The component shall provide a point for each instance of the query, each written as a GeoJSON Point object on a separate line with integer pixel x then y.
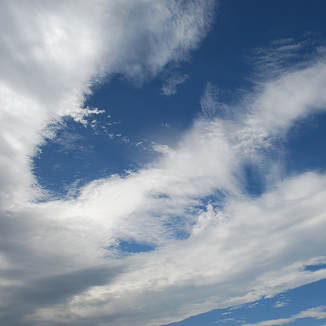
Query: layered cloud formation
{"type": "Point", "coordinates": [212, 245]}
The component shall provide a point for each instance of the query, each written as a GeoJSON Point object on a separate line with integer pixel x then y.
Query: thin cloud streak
{"type": "Point", "coordinates": [316, 313]}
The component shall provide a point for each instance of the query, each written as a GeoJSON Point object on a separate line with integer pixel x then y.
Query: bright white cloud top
{"type": "Point", "coordinates": [212, 244]}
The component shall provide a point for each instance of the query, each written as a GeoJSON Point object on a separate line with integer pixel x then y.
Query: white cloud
{"type": "Point", "coordinates": [60, 257]}
{"type": "Point", "coordinates": [259, 246]}
{"type": "Point", "coordinates": [211, 104]}
{"type": "Point", "coordinates": [316, 313]}
{"type": "Point", "coordinates": [228, 320]}
{"type": "Point", "coordinates": [281, 304]}
{"type": "Point", "coordinates": [170, 85]}
{"type": "Point", "coordinates": [52, 52]}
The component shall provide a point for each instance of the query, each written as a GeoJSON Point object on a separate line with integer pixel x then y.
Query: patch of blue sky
{"type": "Point", "coordinates": [254, 183]}
{"type": "Point", "coordinates": [305, 145]}
{"type": "Point", "coordinates": [216, 199]}
{"type": "Point", "coordinates": [145, 114]}
{"type": "Point", "coordinates": [314, 268]}
{"type": "Point", "coordinates": [81, 153]}
{"type": "Point", "coordinates": [134, 247]}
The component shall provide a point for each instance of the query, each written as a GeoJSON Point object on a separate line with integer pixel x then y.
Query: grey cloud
{"type": "Point", "coordinates": [53, 290]}
{"type": "Point", "coordinates": [59, 288]}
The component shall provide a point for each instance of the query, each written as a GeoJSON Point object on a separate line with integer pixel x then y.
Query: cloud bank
{"type": "Point", "coordinates": [213, 245]}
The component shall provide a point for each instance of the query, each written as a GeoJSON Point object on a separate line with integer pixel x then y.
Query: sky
{"type": "Point", "coordinates": [162, 162]}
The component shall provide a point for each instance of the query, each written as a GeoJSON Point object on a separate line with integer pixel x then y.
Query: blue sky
{"type": "Point", "coordinates": [162, 162]}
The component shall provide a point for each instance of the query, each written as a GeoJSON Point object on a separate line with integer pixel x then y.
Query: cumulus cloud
{"type": "Point", "coordinates": [215, 246]}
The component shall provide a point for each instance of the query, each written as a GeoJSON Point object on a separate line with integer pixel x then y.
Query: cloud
{"type": "Point", "coordinates": [281, 304]}
{"type": "Point", "coordinates": [316, 313]}
{"type": "Point", "coordinates": [52, 53]}
{"type": "Point", "coordinates": [215, 245]}
{"type": "Point", "coordinates": [230, 252]}
{"type": "Point", "coordinates": [228, 320]}
{"type": "Point", "coordinates": [274, 59]}
{"type": "Point", "coordinates": [211, 104]}
{"type": "Point", "coordinates": [170, 86]}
